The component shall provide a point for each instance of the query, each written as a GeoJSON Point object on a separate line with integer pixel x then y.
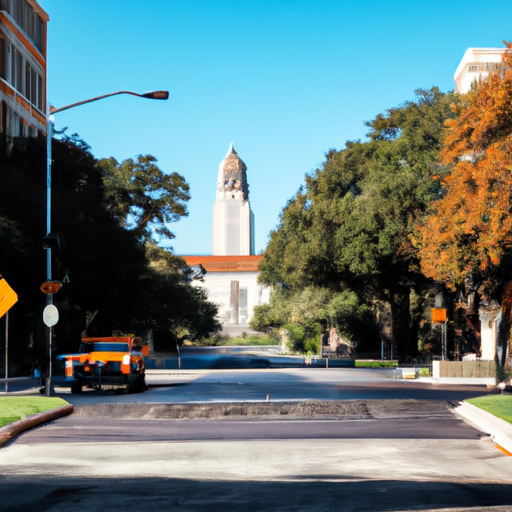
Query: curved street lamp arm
{"type": "Point", "coordinates": [153, 95]}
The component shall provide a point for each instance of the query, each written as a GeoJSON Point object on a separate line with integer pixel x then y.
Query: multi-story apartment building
{"type": "Point", "coordinates": [22, 68]}
{"type": "Point", "coordinates": [476, 63]}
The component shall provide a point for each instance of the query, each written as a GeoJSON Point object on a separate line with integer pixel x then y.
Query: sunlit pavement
{"type": "Point", "coordinates": [255, 475]}
{"type": "Point", "coordinates": [423, 462]}
{"type": "Point", "coordinates": [174, 386]}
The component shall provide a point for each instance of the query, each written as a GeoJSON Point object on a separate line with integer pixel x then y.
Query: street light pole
{"type": "Point", "coordinates": [152, 95]}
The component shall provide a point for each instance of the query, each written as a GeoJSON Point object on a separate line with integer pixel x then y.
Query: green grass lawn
{"type": "Point", "coordinates": [14, 408]}
{"type": "Point", "coordinates": [376, 364]}
{"type": "Point", "coordinates": [499, 405]}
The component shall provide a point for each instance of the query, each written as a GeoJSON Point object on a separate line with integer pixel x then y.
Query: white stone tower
{"type": "Point", "coordinates": [233, 220]}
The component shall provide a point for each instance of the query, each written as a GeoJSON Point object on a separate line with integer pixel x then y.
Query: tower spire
{"type": "Point", "coordinates": [232, 216]}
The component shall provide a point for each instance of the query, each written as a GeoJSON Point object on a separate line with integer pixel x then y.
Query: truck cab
{"type": "Point", "coordinates": [115, 362]}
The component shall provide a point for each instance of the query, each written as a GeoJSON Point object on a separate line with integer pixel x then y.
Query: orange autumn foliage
{"type": "Point", "coordinates": [470, 227]}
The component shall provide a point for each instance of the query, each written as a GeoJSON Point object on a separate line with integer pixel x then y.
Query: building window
{"type": "Point", "coordinates": [21, 75]}
{"type": "Point", "coordinates": [5, 5]}
{"type": "Point", "coordinates": [38, 32]}
{"type": "Point", "coordinates": [28, 80]}
{"type": "Point", "coordinates": [39, 102]}
{"type": "Point", "coordinates": [3, 57]}
{"type": "Point", "coordinates": [482, 67]}
{"type": "Point", "coordinates": [3, 117]}
{"type": "Point", "coordinates": [29, 21]}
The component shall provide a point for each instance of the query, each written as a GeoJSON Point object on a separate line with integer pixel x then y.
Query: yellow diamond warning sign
{"type": "Point", "coordinates": [8, 297]}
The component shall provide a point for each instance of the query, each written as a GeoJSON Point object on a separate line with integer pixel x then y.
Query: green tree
{"type": "Point", "coordinates": [349, 227]}
{"type": "Point", "coordinates": [142, 197]}
{"type": "Point", "coordinates": [465, 242]}
{"type": "Point", "coordinates": [109, 271]}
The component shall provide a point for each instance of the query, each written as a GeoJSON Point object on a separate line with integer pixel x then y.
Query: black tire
{"type": "Point", "coordinates": [138, 386]}
{"type": "Point", "coordinates": [76, 387]}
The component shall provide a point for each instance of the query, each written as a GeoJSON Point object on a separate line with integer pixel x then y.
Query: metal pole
{"type": "Point", "coordinates": [49, 297]}
{"type": "Point", "coordinates": [48, 387]}
{"type": "Point", "coordinates": [6, 351]}
{"type": "Point", "coordinates": [444, 336]}
{"type": "Point", "coordinates": [49, 136]}
{"type": "Point", "coordinates": [154, 95]}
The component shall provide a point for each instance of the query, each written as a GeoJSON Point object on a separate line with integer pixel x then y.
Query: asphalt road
{"type": "Point", "coordinates": [381, 464]}
{"type": "Point", "coordinates": [173, 386]}
{"type": "Point", "coordinates": [73, 429]}
{"type": "Point", "coordinates": [384, 455]}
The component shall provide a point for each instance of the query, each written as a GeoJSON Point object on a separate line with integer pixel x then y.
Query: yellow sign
{"type": "Point", "coordinates": [8, 297]}
{"type": "Point", "coordinates": [439, 316]}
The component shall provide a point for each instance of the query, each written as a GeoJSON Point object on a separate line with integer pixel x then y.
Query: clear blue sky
{"type": "Point", "coordinates": [285, 80]}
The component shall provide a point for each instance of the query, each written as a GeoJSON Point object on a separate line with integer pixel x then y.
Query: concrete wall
{"type": "Point", "coordinates": [220, 289]}
{"type": "Point", "coordinates": [464, 372]}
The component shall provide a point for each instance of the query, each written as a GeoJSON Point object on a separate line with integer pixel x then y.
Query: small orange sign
{"type": "Point", "coordinates": [8, 297]}
{"type": "Point", "coordinates": [50, 287]}
{"type": "Point", "coordinates": [439, 316]}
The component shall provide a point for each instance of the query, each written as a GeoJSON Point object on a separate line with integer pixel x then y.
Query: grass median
{"type": "Point", "coordinates": [14, 408]}
{"type": "Point", "coordinates": [498, 405]}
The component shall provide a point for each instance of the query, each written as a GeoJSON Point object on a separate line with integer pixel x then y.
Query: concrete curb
{"type": "Point", "coordinates": [12, 430]}
{"type": "Point", "coordinates": [499, 430]}
{"type": "Point", "coordinates": [21, 392]}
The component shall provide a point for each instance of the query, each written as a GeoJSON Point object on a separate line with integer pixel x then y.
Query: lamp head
{"type": "Point", "coordinates": [156, 95]}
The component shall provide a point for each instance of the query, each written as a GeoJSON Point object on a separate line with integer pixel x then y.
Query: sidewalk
{"type": "Point", "coordinates": [19, 386]}
{"type": "Point", "coordinates": [498, 430]}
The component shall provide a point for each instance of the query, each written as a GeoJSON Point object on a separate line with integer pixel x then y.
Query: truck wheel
{"type": "Point", "coordinates": [139, 385]}
{"type": "Point", "coordinates": [76, 387]}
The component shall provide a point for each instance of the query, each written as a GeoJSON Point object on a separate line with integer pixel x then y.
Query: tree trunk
{"type": "Point", "coordinates": [474, 338]}
{"type": "Point", "coordinates": [504, 338]}
{"type": "Point", "coordinates": [401, 324]}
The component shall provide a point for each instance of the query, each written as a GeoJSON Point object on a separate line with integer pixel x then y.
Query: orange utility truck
{"type": "Point", "coordinates": [114, 362]}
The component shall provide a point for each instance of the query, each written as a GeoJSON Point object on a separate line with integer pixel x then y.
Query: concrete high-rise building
{"type": "Point", "coordinates": [22, 68]}
{"type": "Point", "coordinates": [476, 63]}
{"type": "Point", "coordinates": [233, 220]}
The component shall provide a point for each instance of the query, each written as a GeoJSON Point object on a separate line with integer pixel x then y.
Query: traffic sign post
{"type": "Point", "coordinates": [8, 298]}
{"type": "Point", "coordinates": [50, 318]}
{"type": "Point", "coordinates": [439, 316]}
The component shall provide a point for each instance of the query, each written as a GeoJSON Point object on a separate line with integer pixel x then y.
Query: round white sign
{"type": "Point", "coordinates": [50, 315]}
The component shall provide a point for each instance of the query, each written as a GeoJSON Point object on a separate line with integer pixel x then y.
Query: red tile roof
{"type": "Point", "coordinates": [226, 263]}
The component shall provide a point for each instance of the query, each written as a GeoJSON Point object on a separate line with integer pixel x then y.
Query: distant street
{"type": "Point", "coordinates": [173, 386]}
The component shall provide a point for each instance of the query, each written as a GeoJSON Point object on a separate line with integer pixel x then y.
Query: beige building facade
{"type": "Point", "coordinates": [475, 64]}
{"type": "Point", "coordinates": [231, 279]}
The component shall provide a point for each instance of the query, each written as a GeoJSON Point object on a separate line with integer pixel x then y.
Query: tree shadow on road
{"type": "Point", "coordinates": [308, 493]}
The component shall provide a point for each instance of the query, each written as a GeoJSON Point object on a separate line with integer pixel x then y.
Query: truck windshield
{"type": "Point", "coordinates": [103, 347]}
